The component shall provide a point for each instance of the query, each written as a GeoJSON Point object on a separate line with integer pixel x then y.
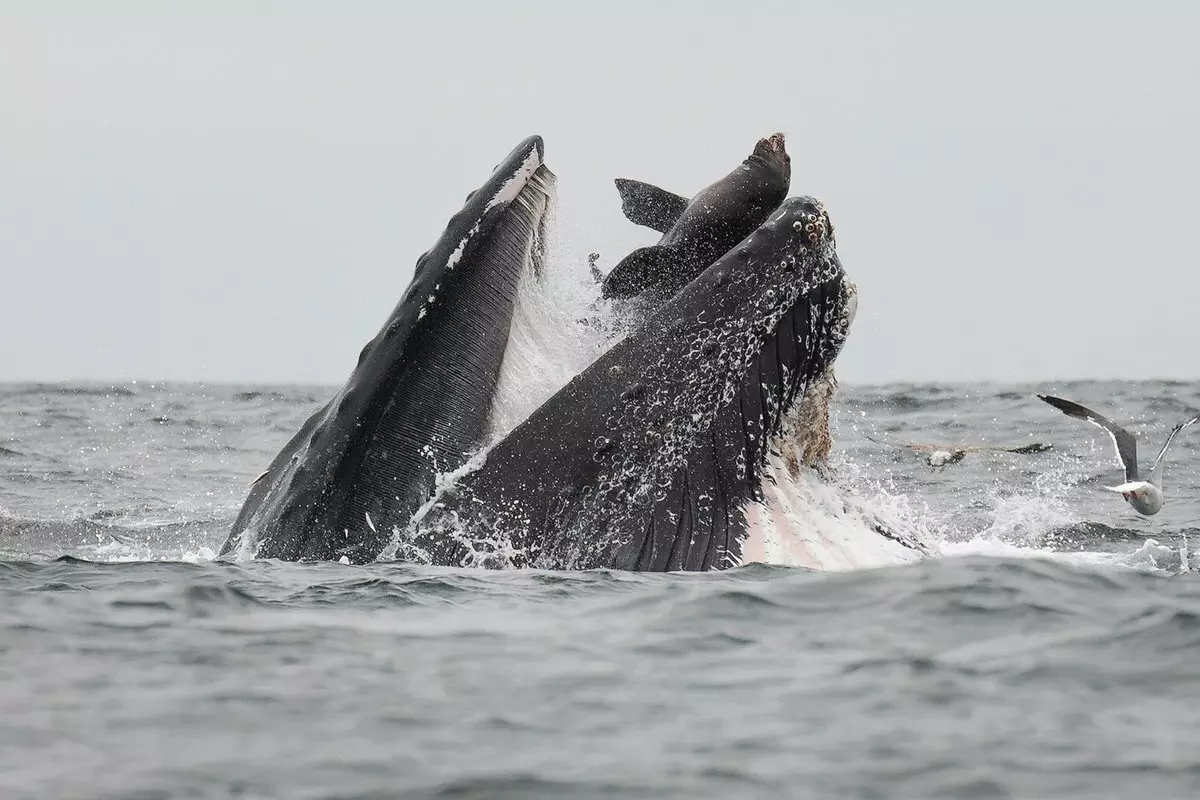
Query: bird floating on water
{"type": "Point", "coordinates": [940, 455]}
{"type": "Point", "coordinates": [1146, 496]}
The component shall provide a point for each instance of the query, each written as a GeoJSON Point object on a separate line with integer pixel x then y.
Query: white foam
{"type": "Point", "coordinates": [1027, 520]}
{"type": "Point", "coordinates": [118, 551]}
{"type": "Point", "coordinates": [1149, 556]}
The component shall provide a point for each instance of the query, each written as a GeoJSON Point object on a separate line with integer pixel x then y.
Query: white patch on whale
{"type": "Point", "coordinates": [513, 186]}
{"type": "Point", "coordinates": [805, 521]}
{"type": "Point", "coordinates": [509, 191]}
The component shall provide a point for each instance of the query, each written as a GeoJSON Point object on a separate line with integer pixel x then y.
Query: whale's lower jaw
{"type": "Point", "coordinates": [419, 399]}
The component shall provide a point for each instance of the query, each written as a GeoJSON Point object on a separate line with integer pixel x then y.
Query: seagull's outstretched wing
{"type": "Point", "coordinates": [1124, 441]}
{"type": "Point", "coordinates": [1032, 447]}
{"type": "Point", "coordinates": [1156, 468]}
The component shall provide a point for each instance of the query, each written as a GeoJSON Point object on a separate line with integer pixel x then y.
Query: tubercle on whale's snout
{"type": "Point", "coordinates": [815, 225]}
{"type": "Point", "coordinates": [806, 216]}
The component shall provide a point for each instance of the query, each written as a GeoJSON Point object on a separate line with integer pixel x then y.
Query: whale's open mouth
{"type": "Point", "coordinates": [645, 460]}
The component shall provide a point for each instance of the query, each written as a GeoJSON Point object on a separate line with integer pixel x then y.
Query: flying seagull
{"type": "Point", "coordinates": [1145, 496]}
{"type": "Point", "coordinates": [940, 456]}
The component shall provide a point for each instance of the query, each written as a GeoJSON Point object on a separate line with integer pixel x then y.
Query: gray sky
{"type": "Point", "coordinates": [239, 190]}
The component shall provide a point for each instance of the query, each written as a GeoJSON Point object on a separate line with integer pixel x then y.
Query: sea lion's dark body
{"type": "Point", "coordinates": [697, 232]}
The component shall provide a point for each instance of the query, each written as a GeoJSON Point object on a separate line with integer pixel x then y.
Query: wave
{"type": "Point", "coordinates": [676, 605]}
{"type": "Point", "coordinates": [276, 396]}
{"type": "Point", "coordinates": [68, 390]}
{"type": "Point", "coordinates": [96, 538]}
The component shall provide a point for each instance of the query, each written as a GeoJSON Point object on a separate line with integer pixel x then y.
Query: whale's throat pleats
{"type": "Point", "coordinates": [434, 410]}
{"type": "Point", "coordinates": [697, 522]}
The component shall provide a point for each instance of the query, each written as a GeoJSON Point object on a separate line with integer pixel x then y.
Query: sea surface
{"type": "Point", "coordinates": [1049, 648]}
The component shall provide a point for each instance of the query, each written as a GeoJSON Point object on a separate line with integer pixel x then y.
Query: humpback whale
{"type": "Point", "coordinates": [697, 232]}
{"type": "Point", "coordinates": [648, 459]}
{"type": "Point", "coordinates": [420, 397]}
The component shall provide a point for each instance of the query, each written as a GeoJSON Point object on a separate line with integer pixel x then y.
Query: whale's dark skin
{"type": "Point", "coordinates": [645, 460]}
{"type": "Point", "coordinates": [419, 400]}
{"type": "Point", "coordinates": [697, 232]}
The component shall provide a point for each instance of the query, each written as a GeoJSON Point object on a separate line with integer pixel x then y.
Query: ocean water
{"type": "Point", "coordinates": [1046, 648]}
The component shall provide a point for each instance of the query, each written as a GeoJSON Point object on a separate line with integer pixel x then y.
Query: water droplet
{"type": "Point", "coordinates": [635, 391]}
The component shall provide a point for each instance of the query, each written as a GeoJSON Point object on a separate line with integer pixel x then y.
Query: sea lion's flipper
{"type": "Point", "coordinates": [648, 205]}
{"type": "Point", "coordinates": [641, 269]}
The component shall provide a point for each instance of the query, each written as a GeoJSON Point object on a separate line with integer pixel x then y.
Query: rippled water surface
{"type": "Point", "coordinates": [1048, 649]}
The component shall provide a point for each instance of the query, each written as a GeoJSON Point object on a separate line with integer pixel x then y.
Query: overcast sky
{"type": "Point", "coordinates": [238, 191]}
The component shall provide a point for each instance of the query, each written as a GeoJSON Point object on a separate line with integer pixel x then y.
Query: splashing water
{"type": "Point", "coordinates": [165, 467]}
{"type": "Point", "coordinates": [555, 334]}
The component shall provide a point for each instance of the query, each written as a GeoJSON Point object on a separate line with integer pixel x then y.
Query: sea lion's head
{"type": "Point", "coordinates": [771, 152]}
